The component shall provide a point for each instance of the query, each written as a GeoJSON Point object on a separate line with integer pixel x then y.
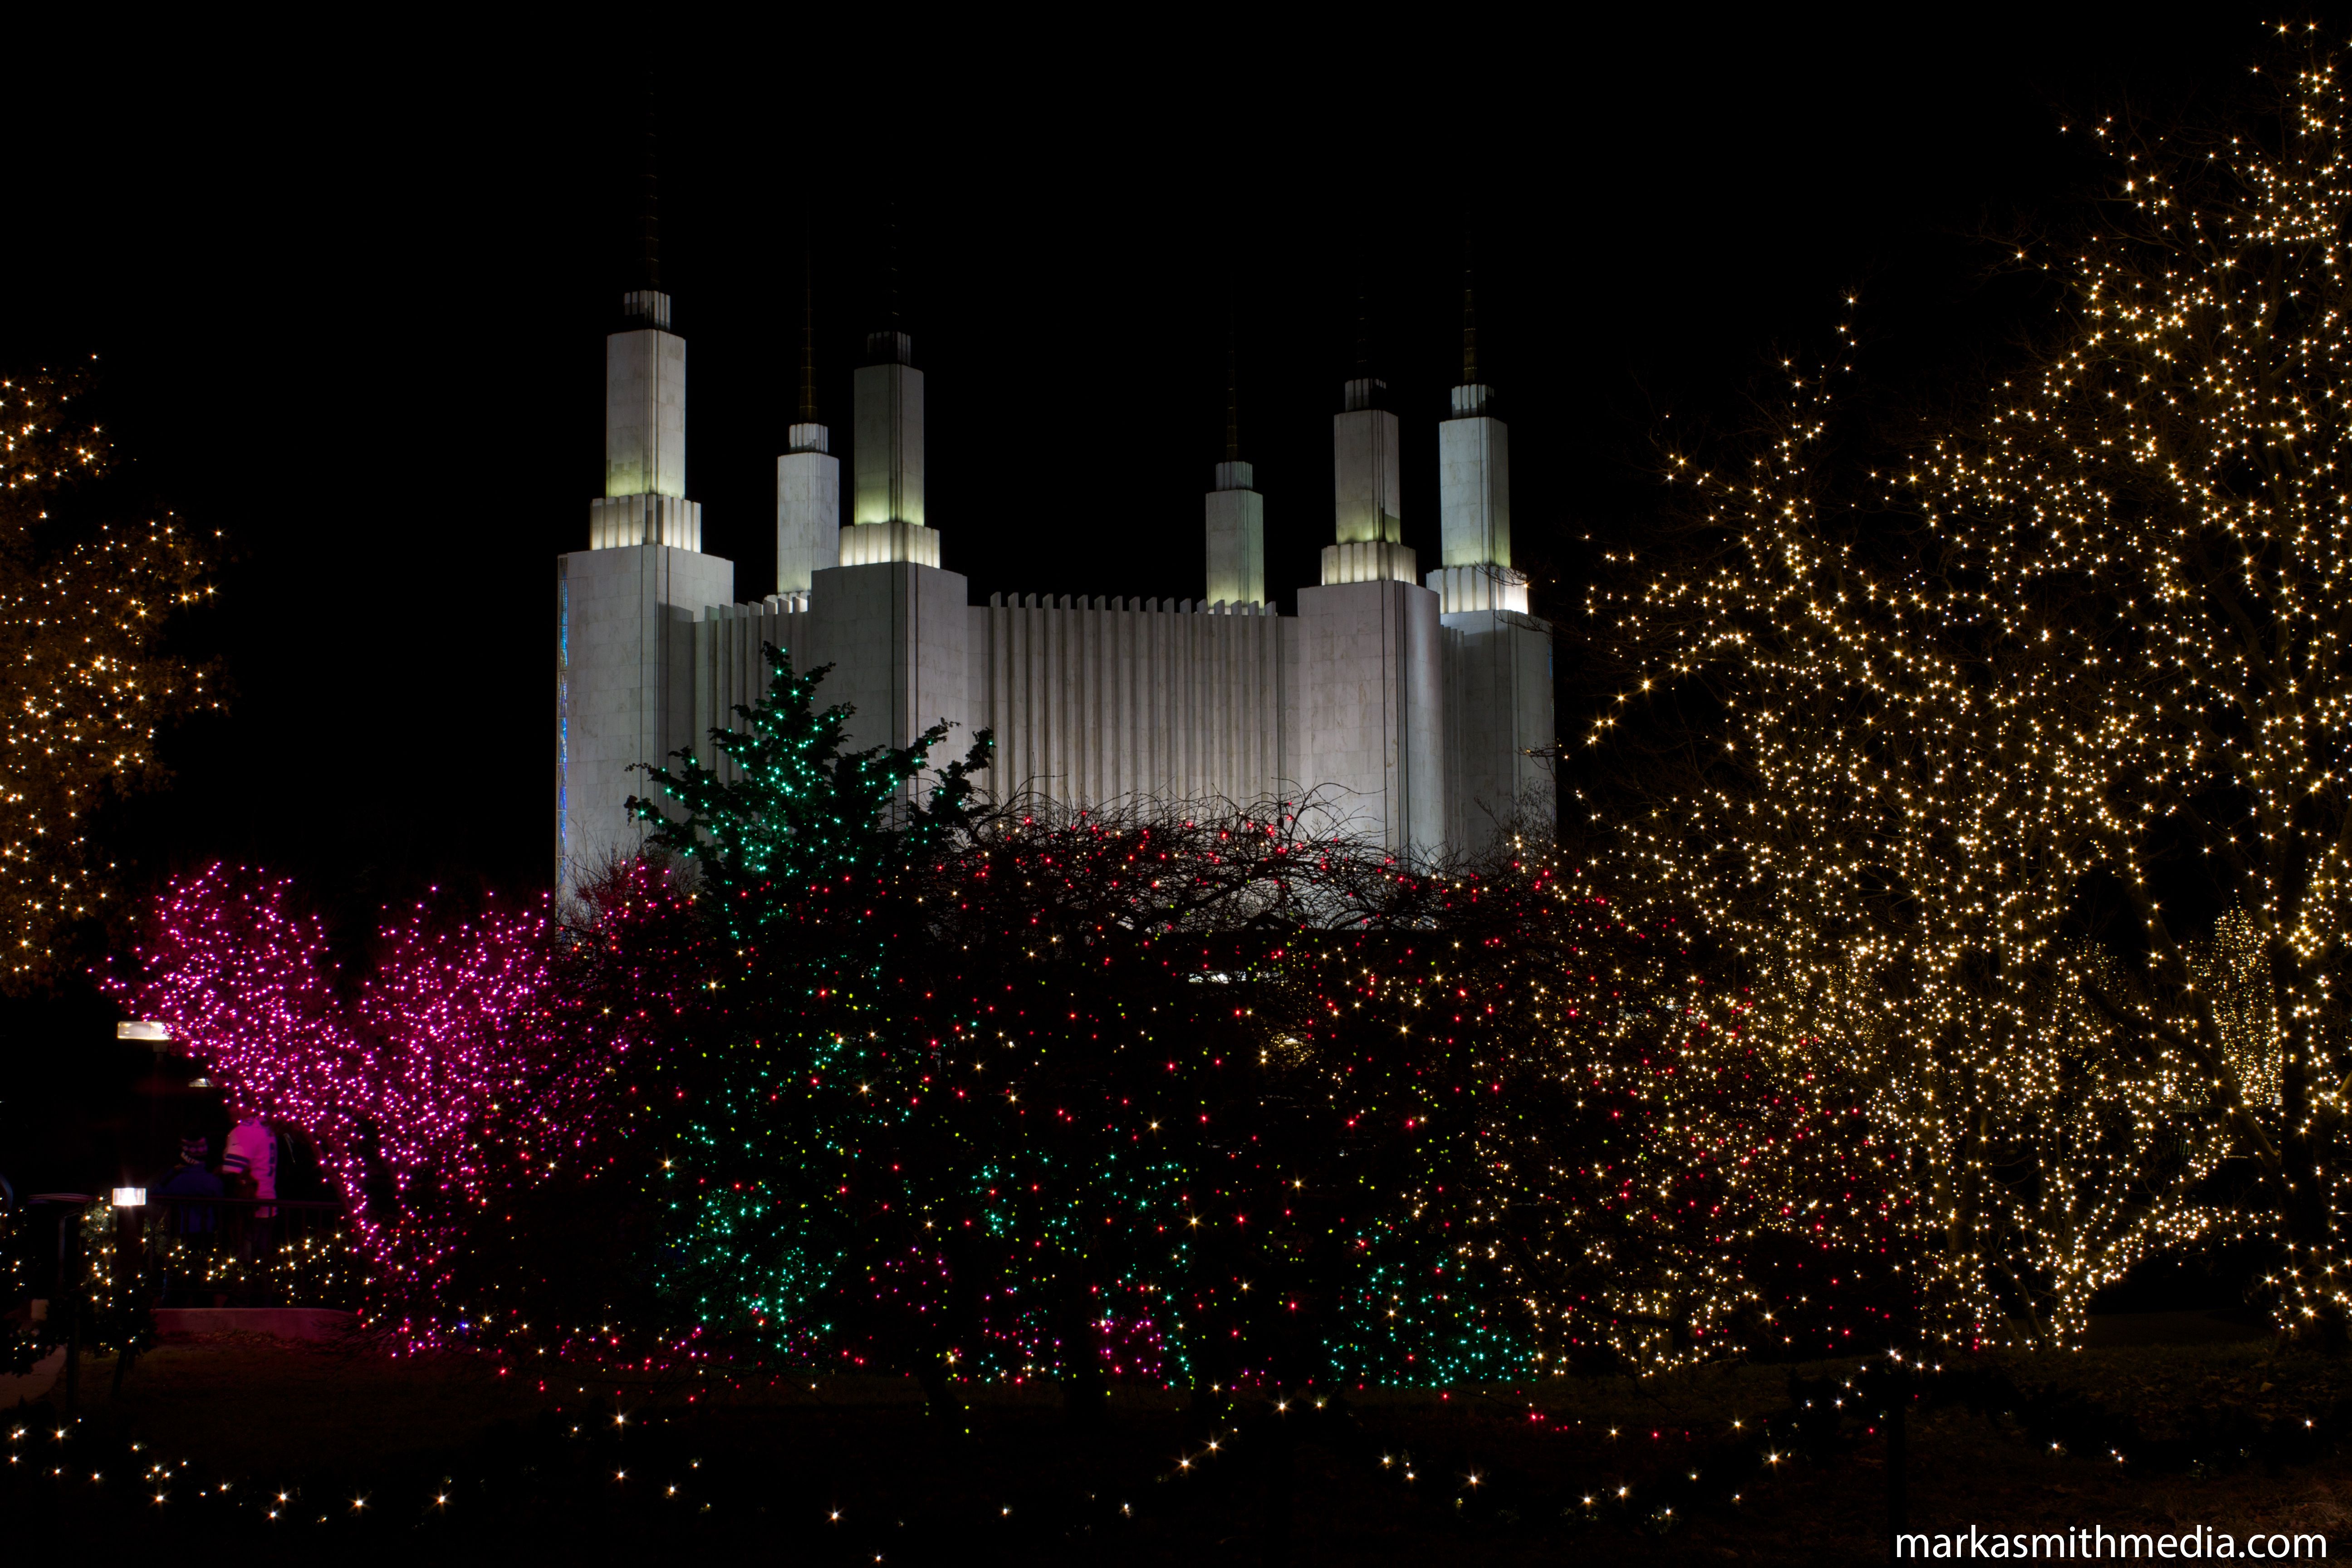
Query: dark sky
{"type": "Point", "coordinates": [349, 291]}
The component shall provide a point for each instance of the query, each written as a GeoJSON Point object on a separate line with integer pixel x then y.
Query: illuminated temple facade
{"type": "Point", "coordinates": [1416, 708]}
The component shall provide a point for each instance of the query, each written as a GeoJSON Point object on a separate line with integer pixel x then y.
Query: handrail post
{"type": "Point", "coordinates": [129, 1284]}
{"type": "Point", "coordinates": [69, 1298]}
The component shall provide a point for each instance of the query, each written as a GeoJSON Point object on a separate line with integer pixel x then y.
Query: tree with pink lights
{"type": "Point", "coordinates": [455, 1042]}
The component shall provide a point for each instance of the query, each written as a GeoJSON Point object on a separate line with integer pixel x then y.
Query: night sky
{"type": "Point", "coordinates": [349, 293]}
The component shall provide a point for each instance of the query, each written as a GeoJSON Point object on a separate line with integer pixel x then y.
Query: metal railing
{"type": "Point", "coordinates": [244, 1252]}
{"type": "Point", "coordinates": [181, 1252]}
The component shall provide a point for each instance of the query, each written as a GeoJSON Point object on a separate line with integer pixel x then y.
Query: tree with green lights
{"type": "Point", "coordinates": [777, 1105]}
{"type": "Point", "coordinates": [788, 807]}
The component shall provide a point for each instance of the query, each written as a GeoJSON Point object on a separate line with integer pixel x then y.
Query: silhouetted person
{"type": "Point", "coordinates": [195, 1226]}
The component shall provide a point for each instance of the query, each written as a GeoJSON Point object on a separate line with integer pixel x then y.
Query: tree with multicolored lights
{"type": "Point", "coordinates": [2022, 779]}
{"type": "Point", "coordinates": [785, 1078]}
{"type": "Point", "coordinates": [1130, 1132]}
{"type": "Point", "coordinates": [1566, 1148]}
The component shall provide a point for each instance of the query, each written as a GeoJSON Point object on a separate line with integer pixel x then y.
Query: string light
{"type": "Point", "coordinates": [457, 1040]}
{"type": "Point", "coordinates": [2029, 812]}
{"type": "Point", "coordinates": [1193, 1098]}
{"type": "Point", "coordinates": [84, 605]}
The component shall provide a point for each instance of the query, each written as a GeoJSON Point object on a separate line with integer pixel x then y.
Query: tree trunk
{"type": "Point", "coordinates": [1279, 1467]}
{"type": "Point", "coordinates": [2317, 1269]}
{"type": "Point", "coordinates": [940, 1399]}
{"type": "Point", "coordinates": [1085, 1394]}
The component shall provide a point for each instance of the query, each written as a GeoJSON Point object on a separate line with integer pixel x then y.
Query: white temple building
{"type": "Point", "coordinates": [1416, 709]}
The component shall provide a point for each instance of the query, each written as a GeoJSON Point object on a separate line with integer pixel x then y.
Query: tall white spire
{"type": "Point", "coordinates": [645, 406]}
{"type": "Point", "coordinates": [808, 478]}
{"type": "Point", "coordinates": [626, 608]}
{"type": "Point", "coordinates": [886, 520]}
{"type": "Point", "coordinates": [1236, 537]}
{"type": "Point", "coordinates": [645, 436]}
{"type": "Point", "coordinates": [1473, 491]}
{"type": "Point", "coordinates": [1236, 515]}
{"type": "Point", "coordinates": [1367, 505]}
{"type": "Point", "coordinates": [886, 517]}
{"type": "Point", "coordinates": [1365, 491]}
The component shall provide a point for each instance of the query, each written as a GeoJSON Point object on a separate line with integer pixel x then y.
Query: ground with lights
{"type": "Point", "coordinates": [287, 1451]}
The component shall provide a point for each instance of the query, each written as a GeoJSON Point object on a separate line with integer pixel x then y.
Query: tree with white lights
{"type": "Point", "coordinates": [2019, 776]}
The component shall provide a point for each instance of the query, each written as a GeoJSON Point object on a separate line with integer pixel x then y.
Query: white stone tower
{"type": "Point", "coordinates": [1236, 537]}
{"type": "Point", "coordinates": [1371, 660]}
{"type": "Point", "coordinates": [1502, 700]}
{"type": "Point", "coordinates": [1369, 546]}
{"type": "Point", "coordinates": [1473, 505]}
{"type": "Point", "coordinates": [625, 606]}
{"type": "Point", "coordinates": [886, 519]}
{"type": "Point", "coordinates": [808, 480]}
{"type": "Point", "coordinates": [644, 433]}
{"type": "Point", "coordinates": [1418, 717]}
{"type": "Point", "coordinates": [894, 626]}
{"type": "Point", "coordinates": [1237, 516]}
{"type": "Point", "coordinates": [1473, 492]}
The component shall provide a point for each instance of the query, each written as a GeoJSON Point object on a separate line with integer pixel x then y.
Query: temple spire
{"type": "Point", "coordinates": [1363, 390]}
{"type": "Point", "coordinates": [644, 501]}
{"type": "Point", "coordinates": [808, 476]}
{"type": "Point", "coordinates": [1367, 544]}
{"type": "Point", "coordinates": [1237, 512]}
{"type": "Point", "coordinates": [808, 329]}
{"type": "Point", "coordinates": [1233, 400]}
{"type": "Point", "coordinates": [643, 304]}
{"type": "Point", "coordinates": [649, 202]}
{"type": "Point", "coordinates": [890, 345]}
{"type": "Point", "coordinates": [887, 522]}
{"type": "Point", "coordinates": [1474, 486]}
{"type": "Point", "coordinates": [1469, 320]}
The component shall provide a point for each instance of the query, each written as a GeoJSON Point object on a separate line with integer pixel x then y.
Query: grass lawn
{"type": "Point", "coordinates": [523, 1461]}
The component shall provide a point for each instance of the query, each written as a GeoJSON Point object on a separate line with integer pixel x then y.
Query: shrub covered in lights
{"type": "Point", "coordinates": [849, 1078]}
{"type": "Point", "coordinates": [1194, 1097]}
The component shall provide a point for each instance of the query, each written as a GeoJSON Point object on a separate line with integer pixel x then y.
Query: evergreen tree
{"type": "Point", "coordinates": [778, 1102]}
{"type": "Point", "coordinates": [799, 809]}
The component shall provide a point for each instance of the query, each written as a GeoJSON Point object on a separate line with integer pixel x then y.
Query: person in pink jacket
{"type": "Point", "coordinates": [249, 1165]}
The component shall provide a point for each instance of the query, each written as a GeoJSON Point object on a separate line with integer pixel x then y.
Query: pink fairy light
{"type": "Point", "coordinates": [399, 1081]}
